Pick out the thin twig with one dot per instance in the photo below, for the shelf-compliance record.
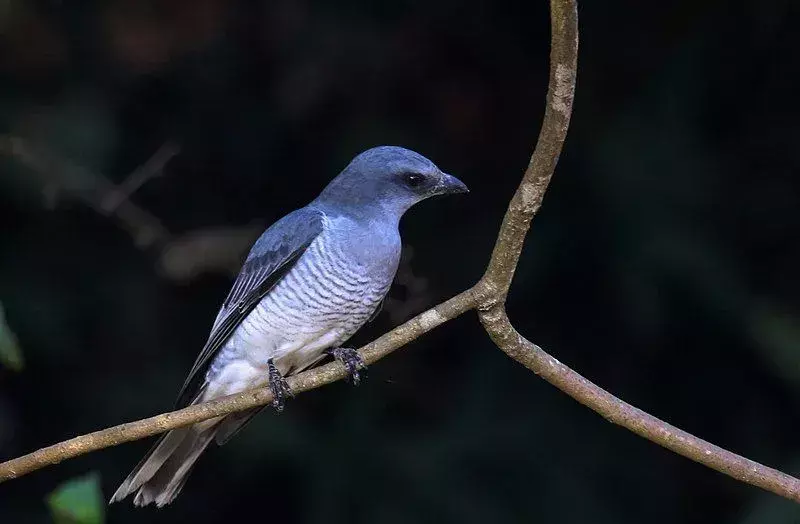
(492, 314)
(212, 248)
(305, 381)
(488, 297)
(55, 172)
(180, 258)
(529, 195)
(152, 168)
(634, 419)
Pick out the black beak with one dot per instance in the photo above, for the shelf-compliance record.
(451, 185)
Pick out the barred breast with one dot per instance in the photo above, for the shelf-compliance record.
(323, 300)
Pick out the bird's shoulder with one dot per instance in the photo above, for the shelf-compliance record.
(285, 233)
(278, 247)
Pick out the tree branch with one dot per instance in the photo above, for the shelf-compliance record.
(634, 419)
(180, 258)
(312, 379)
(529, 195)
(82, 184)
(147, 171)
(488, 297)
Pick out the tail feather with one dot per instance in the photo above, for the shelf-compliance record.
(231, 425)
(159, 477)
(147, 467)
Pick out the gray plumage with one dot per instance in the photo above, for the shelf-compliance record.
(308, 284)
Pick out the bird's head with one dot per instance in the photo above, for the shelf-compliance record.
(388, 179)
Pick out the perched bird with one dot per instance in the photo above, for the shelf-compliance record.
(308, 284)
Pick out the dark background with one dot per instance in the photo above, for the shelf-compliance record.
(663, 265)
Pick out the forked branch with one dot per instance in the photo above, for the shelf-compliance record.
(488, 298)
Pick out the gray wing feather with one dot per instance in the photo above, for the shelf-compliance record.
(271, 257)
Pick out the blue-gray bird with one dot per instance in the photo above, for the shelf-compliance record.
(308, 284)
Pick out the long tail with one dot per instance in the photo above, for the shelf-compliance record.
(162, 473)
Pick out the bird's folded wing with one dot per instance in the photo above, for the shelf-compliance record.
(271, 257)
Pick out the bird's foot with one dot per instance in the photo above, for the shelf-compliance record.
(351, 360)
(278, 386)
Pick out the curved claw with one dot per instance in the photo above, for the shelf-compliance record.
(280, 389)
(352, 361)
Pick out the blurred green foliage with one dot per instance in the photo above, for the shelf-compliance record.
(78, 501)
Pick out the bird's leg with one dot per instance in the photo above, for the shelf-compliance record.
(278, 386)
(351, 360)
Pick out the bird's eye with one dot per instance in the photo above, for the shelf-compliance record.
(413, 179)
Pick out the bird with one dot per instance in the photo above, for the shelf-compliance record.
(309, 282)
